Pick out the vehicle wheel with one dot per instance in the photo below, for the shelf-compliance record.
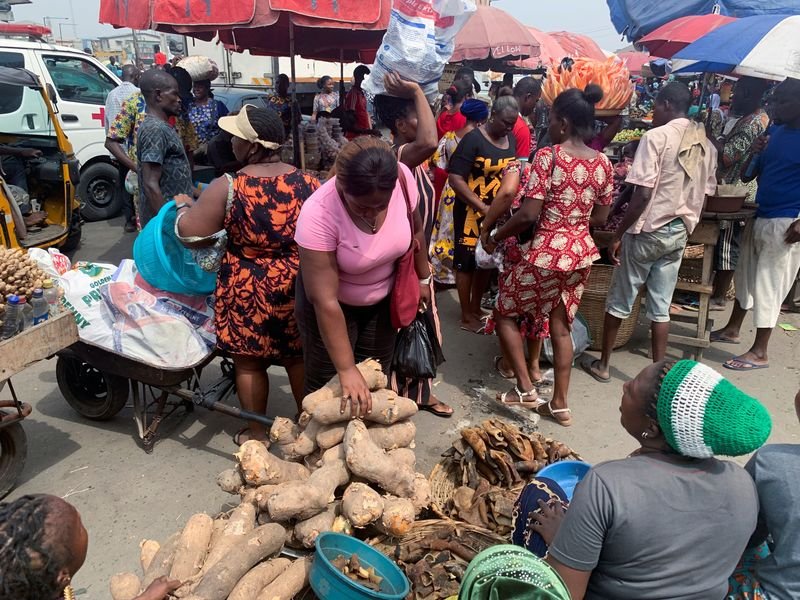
(13, 452)
(93, 394)
(73, 240)
(98, 192)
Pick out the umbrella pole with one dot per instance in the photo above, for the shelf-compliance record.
(341, 77)
(295, 117)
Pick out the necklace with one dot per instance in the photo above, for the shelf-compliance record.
(372, 226)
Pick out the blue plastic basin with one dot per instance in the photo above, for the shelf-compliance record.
(566, 473)
(329, 583)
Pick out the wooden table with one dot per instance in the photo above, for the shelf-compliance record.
(707, 234)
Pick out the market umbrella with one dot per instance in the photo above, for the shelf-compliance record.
(578, 46)
(672, 37)
(766, 46)
(491, 37)
(635, 61)
(550, 51)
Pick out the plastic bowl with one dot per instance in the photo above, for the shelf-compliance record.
(329, 583)
(167, 264)
(566, 473)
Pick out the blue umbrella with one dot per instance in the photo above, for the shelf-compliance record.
(766, 46)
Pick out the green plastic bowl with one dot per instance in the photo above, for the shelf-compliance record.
(329, 583)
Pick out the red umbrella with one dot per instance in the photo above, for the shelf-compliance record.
(550, 51)
(578, 46)
(672, 37)
(491, 34)
(634, 61)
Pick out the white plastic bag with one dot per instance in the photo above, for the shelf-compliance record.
(487, 261)
(419, 42)
(200, 68)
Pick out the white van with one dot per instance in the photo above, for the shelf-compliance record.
(81, 85)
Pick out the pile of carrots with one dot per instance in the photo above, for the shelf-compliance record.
(611, 75)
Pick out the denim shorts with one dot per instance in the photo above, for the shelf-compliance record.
(650, 259)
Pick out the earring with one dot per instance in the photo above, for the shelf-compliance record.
(645, 435)
(69, 594)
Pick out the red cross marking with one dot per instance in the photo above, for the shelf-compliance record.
(100, 116)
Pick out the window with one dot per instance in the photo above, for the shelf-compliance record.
(11, 95)
(78, 80)
(22, 110)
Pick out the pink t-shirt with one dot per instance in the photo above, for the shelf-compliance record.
(366, 261)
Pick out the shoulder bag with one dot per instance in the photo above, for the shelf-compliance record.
(404, 301)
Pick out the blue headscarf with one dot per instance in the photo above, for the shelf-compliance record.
(475, 110)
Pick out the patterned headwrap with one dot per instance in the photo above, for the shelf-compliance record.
(475, 110)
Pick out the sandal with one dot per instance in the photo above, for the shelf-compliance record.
(440, 409)
(532, 395)
(589, 368)
(237, 437)
(503, 374)
(552, 413)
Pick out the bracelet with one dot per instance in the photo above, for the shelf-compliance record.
(426, 281)
(181, 205)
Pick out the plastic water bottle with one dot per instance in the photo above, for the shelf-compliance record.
(41, 310)
(12, 320)
(26, 311)
(51, 295)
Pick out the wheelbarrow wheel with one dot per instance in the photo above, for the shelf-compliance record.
(94, 394)
(13, 452)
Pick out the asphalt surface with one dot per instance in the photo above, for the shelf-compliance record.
(126, 495)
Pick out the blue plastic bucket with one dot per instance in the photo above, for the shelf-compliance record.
(566, 473)
(164, 262)
(329, 583)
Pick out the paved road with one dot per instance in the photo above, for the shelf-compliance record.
(126, 495)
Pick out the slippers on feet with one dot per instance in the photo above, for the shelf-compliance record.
(440, 409)
(717, 338)
(589, 368)
(543, 409)
(478, 331)
(739, 364)
(244, 431)
(528, 399)
(501, 372)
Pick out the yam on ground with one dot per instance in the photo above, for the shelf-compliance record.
(403, 456)
(333, 454)
(290, 583)
(147, 550)
(370, 370)
(192, 548)
(218, 582)
(292, 442)
(329, 436)
(125, 586)
(306, 532)
(387, 408)
(305, 499)
(361, 505)
(367, 460)
(397, 435)
(262, 494)
(161, 564)
(398, 515)
(241, 522)
(260, 467)
(258, 578)
(421, 498)
(219, 528)
(230, 481)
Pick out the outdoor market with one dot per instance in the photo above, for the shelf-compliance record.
(482, 312)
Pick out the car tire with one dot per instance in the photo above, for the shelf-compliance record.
(13, 452)
(98, 192)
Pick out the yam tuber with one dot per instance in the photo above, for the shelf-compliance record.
(404, 457)
(258, 578)
(306, 532)
(421, 498)
(332, 454)
(262, 494)
(367, 460)
(387, 408)
(260, 467)
(218, 582)
(162, 561)
(370, 370)
(329, 436)
(398, 515)
(305, 499)
(124, 586)
(361, 505)
(390, 437)
(192, 548)
(292, 442)
(230, 481)
(241, 522)
(290, 583)
(148, 549)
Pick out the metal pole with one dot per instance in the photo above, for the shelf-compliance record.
(295, 119)
(135, 48)
(341, 77)
(60, 34)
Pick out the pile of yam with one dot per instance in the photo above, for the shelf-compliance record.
(19, 275)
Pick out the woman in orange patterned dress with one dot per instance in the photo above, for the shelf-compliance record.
(258, 207)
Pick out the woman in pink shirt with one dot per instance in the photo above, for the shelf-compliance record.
(351, 233)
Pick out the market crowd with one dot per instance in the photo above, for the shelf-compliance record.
(505, 195)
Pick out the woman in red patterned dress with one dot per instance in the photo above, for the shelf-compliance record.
(258, 207)
(569, 188)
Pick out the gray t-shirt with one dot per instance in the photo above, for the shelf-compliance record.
(776, 471)
(158, 143)
(651, 528)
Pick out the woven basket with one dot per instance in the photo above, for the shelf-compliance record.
(475, 538)
(444, 479)
(593, 308)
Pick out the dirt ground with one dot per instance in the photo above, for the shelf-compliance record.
(126, 495)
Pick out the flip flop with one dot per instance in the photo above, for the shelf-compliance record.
(435, 409)
(718, 339)
(237, 437)
(587, 366)
(532, 394)
(552, 413)
(745, 365)
(497, 360)
(477, 331)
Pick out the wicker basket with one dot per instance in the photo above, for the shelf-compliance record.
(593, 308)
(444, 480)
(475, 538)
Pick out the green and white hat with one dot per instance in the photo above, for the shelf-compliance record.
(702, 414)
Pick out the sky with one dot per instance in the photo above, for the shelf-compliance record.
(588, 17)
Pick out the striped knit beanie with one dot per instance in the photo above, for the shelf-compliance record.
(703, 414)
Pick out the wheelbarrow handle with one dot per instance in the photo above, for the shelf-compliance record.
(211, 400)
(234, 411)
